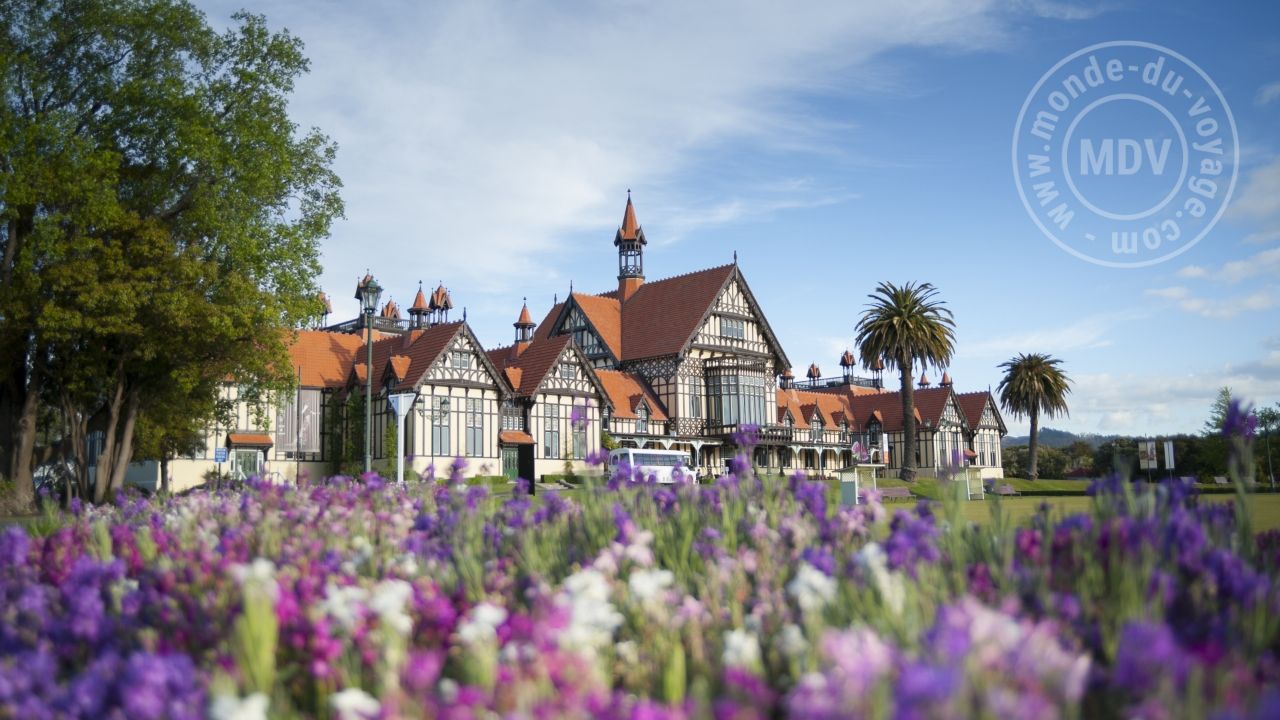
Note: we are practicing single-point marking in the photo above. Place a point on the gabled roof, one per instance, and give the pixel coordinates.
(805, 405)
(929, 405)
(527, 371)
(324, 358)
(662, 316)
(625, 391)
(533, 364)
(973, 403)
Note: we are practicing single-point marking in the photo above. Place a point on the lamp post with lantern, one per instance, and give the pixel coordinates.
(368, 293)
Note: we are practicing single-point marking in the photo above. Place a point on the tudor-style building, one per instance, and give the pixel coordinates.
(685, 362)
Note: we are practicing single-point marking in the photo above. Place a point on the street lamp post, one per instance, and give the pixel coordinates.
(400, 403)
(368, 293)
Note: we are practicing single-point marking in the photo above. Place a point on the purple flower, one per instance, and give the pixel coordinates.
(747, 436)
(912, 540)
(1147, 654)
(1241, 421)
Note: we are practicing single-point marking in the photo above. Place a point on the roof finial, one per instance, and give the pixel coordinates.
(735, 257)
(570, 286)
(464, 313)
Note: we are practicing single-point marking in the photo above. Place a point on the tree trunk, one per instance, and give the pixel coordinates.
(164, 472)
(908, 471)
(106, 460)
(124, 449)
(1032, 471)
(21, 464)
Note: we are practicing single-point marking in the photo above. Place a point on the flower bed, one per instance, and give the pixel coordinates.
(741, 599)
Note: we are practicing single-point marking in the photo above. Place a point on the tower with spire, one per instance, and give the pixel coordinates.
(630, 243)
(524, 326)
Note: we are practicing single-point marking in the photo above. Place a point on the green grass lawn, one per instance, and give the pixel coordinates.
(1264, 509)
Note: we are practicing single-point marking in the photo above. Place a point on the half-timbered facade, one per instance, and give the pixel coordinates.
(553, 418)
(688, 362)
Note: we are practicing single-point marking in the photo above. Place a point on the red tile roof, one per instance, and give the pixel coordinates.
(625, 391)
(929, 404)
(536, 361)
(605, 315)
(803, 404)
(515, 437)
(250, 439)
(662, 316)
(973, 403)
(324, 358)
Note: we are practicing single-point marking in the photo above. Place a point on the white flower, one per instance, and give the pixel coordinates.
(592, 618)
(628, 652)
(354, 704)
(889, 584)
(648, 585)
(481, 623)
(811, 588)
(741, 650)
(388, 601)
(792, 641)
(230, 707)
(261, 573)
(345, 604)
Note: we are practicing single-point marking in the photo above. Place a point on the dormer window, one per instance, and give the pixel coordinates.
(461, 359)
(567, 371)
(642, 419)
(815, 429)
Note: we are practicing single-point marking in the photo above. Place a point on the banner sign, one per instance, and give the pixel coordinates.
(1147, 458)
(1168, 454)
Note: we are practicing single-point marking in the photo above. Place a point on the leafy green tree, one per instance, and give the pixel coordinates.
(905, 325)
(1215, 449)
(1034, 383)
(159, 214)
(1268, 421)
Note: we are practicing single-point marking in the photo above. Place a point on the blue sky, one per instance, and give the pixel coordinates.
(491, 146)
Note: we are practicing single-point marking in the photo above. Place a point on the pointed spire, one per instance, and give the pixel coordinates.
(846, 360)
(924, 379)
(946, 379)
(419, 301)
(525, 319)
(814, 372)
(630, 229)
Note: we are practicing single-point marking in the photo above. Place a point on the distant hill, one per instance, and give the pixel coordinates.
(1057, 438)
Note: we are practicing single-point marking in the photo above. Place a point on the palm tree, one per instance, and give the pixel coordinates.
(1033, 384)
(903, 325)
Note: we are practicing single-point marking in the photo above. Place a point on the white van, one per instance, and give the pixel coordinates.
(658, 464)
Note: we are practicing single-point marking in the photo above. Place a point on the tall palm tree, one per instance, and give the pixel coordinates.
(901, 326)
(1033, 384)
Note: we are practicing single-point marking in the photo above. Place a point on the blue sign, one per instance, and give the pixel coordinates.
(220, 454)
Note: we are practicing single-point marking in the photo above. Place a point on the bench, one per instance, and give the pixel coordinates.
(1006, 489)
(895, 493)
(1220, 480)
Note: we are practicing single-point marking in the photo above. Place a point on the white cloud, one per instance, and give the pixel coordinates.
(1083, 334)
(1262, 238)
(1266, 262)
(1193, 271)
(1259, 198)
(495, 130)
(1154, 403)
(1217, 308)
(1268, 93)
